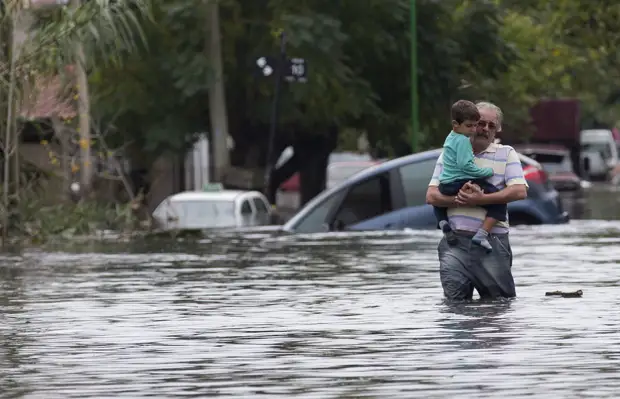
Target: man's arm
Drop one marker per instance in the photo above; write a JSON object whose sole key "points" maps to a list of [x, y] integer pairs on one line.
{"points": [[435, 198]]}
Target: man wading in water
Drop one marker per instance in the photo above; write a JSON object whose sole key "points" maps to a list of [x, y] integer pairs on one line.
{"points": [[463, 266]]}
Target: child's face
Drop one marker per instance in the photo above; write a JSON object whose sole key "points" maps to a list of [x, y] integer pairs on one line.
{"points": [[467, 127]]}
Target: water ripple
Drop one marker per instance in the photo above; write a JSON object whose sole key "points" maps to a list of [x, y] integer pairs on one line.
{"points": [[314, 316]]}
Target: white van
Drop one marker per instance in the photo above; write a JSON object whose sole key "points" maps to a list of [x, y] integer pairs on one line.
{"points": [[599, 153]]}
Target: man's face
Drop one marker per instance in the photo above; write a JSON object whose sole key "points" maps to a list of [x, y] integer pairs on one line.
{"points": [[486, 129]]}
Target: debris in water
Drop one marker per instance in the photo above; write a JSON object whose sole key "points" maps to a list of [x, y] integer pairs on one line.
{"points": [[576, 294]]}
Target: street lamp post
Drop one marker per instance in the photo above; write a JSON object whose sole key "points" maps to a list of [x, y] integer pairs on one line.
{"points": [[415, 126]]}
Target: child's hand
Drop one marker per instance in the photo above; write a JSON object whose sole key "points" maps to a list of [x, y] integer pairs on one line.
{"points": [[470, 187], [469, 195]]}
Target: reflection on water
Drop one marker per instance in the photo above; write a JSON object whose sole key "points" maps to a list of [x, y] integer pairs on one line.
{"points": [[323, 316], [600, 202], [478, 325]]}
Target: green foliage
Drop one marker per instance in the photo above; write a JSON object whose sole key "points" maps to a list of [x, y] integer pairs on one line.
{"points": [[107, 30], [37, 216], [41, 220], [158, 93], [358, 52]]}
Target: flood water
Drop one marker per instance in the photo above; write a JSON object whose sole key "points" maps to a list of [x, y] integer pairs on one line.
{"points": [[329, 316]]}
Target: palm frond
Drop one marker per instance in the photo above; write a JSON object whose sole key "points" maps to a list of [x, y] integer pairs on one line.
{"points": [[106, 30]]}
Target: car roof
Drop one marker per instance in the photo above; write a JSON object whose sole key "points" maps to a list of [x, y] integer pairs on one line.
{"points": [[413, 158], [394, 163], [353, 163], [224, 195]]}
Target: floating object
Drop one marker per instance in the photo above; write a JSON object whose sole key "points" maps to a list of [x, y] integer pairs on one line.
{"points": [[575, 294]]}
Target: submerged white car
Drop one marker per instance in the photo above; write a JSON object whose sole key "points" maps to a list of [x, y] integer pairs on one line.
{"points": [[213, 209]]}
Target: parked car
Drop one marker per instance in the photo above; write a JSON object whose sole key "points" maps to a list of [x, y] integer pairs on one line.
{"points": [[557, 163], [392, 196], [599, 153], [213, 209]]}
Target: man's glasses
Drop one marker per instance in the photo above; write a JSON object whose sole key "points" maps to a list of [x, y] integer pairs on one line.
{"points": [[491, 125]]}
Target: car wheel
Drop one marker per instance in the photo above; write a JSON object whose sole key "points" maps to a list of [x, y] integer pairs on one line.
{"points": [[520, 218]]}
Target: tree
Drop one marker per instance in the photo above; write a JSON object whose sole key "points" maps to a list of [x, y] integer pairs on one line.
{"points": [[84, 35], [358, 54], [565, 49]]}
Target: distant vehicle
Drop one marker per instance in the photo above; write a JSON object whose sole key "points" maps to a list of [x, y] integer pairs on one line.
{"points": [[337, 172], [392, 196], [557, 163], [599, 152], [214, 208]]}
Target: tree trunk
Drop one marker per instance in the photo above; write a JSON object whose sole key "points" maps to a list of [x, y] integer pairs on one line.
{"points": [[312, 177], [315, 152], [60, 131], [280, 175], [9, 135], [86, 167], [217, 98]]}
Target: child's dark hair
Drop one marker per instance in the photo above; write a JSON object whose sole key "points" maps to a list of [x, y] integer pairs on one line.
{"points": [[464, 110]]}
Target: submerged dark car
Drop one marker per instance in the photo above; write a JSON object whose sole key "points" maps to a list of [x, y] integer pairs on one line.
{"points": [[392, 196]]}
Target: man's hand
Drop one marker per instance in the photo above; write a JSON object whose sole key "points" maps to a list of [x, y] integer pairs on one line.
{"points": [[472, 195]]}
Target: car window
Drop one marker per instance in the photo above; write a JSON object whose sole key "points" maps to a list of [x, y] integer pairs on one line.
{"points": [[314, 220], [246, 209], [260, 206], [602, 148], [415, 178], [365, 200]]}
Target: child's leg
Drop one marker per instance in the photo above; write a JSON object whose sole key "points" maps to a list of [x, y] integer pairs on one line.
{"points": [[441, 214], [495, 213], [488, 223], [442, 220], [482, 235]]}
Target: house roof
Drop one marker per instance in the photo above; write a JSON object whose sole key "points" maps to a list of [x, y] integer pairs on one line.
{"points": [[50, 98]]}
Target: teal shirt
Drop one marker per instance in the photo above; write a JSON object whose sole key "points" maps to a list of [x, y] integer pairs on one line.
{"points": [[458, 160]]}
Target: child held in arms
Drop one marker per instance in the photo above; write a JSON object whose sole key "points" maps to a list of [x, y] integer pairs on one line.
{"points": [[459, 168]]}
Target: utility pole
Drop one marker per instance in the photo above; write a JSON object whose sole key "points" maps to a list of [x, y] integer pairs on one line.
{"points": [[415, 115], [275, 108], [217, 98], [83, 101], [283, 69]]}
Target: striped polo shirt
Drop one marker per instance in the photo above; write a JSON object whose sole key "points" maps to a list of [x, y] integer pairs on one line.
{"points": [[507, 170]]}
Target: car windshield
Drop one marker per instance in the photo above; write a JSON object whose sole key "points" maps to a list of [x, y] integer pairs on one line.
{"points": [[199, 210]]}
